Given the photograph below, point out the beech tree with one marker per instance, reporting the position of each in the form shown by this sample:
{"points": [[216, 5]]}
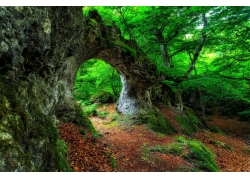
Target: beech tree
{"points": [[194, 47]]}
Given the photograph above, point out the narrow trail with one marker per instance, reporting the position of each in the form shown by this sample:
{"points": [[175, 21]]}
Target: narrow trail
{"points": [[125, 145]]}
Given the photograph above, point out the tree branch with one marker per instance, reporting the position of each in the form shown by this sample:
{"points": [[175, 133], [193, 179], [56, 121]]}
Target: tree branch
{"points": [[199, 48], [234, 78]]}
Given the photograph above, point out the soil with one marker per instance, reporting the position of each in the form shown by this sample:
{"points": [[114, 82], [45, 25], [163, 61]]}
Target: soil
{"points": [[119, 147]]}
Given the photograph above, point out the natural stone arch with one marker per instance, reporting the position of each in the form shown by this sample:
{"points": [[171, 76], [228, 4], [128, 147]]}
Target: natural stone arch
{"points": [[41, 49]]}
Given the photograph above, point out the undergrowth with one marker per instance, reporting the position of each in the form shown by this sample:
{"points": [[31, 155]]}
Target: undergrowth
{"points": [[192, 150], [222, 144], [112, 159], [102, 114]]}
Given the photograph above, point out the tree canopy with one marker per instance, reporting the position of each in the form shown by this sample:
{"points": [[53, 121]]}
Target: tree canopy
{"points": [[196, 48]]}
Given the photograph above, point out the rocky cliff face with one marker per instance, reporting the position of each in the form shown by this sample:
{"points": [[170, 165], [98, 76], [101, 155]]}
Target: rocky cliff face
{"points": [[41, 49]]}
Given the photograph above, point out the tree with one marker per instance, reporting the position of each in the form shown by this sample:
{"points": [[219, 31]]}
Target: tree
{"points": [[190, 45]]}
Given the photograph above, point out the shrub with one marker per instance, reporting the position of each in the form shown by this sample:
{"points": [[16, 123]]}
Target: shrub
{"points": [[102, 97], [90, 110], [102, 114]]}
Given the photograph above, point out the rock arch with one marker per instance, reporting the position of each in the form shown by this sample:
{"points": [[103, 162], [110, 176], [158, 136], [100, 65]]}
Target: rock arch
{"points": [[41, 49]]}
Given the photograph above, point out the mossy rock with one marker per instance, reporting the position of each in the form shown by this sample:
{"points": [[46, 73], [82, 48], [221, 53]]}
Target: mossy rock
{"points": [[188, 121], [30, 137], [156, 121], [102, 97]]}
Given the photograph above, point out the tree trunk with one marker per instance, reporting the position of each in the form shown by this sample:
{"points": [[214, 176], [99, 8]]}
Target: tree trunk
{"points": [[163, 45], [178, 99]]}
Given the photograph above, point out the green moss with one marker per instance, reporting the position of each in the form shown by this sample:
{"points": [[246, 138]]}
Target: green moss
{"points": [[112, 159], [188, 122], [222, 144], [156, 121], [126, 49], [216, 129], [82, 132], [160, 125], [82, 120], [246, 151], [199, 154], [28, 125], [62, 150]]}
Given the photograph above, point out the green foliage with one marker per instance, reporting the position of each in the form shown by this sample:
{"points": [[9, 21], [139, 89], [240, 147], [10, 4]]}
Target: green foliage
{"points": [[244, 115], [174, 148], [82, 132], [156, 121], [216, 129], [95, 76], [200, 155], [112, 159], [222, 144], [90, 110], [102, 114], [246, 151]]}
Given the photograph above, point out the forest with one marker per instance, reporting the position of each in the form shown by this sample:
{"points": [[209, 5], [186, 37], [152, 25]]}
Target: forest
{"points": [[202, 53], [125, 89]]}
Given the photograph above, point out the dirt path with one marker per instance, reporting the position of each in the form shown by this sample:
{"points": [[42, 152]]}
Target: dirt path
{"points": [[125, 144]]}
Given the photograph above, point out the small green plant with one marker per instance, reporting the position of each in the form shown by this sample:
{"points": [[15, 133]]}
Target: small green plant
{"points": [[188, 169], [126, 120], [244, 115], [114, 117], [112, 159], [102, 114], [222, 144], [82, 132], [216, 129], [90, 110], [246, 151]]}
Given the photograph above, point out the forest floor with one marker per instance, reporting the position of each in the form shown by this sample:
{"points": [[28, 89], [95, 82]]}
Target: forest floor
{"points": [[120, 147]]}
